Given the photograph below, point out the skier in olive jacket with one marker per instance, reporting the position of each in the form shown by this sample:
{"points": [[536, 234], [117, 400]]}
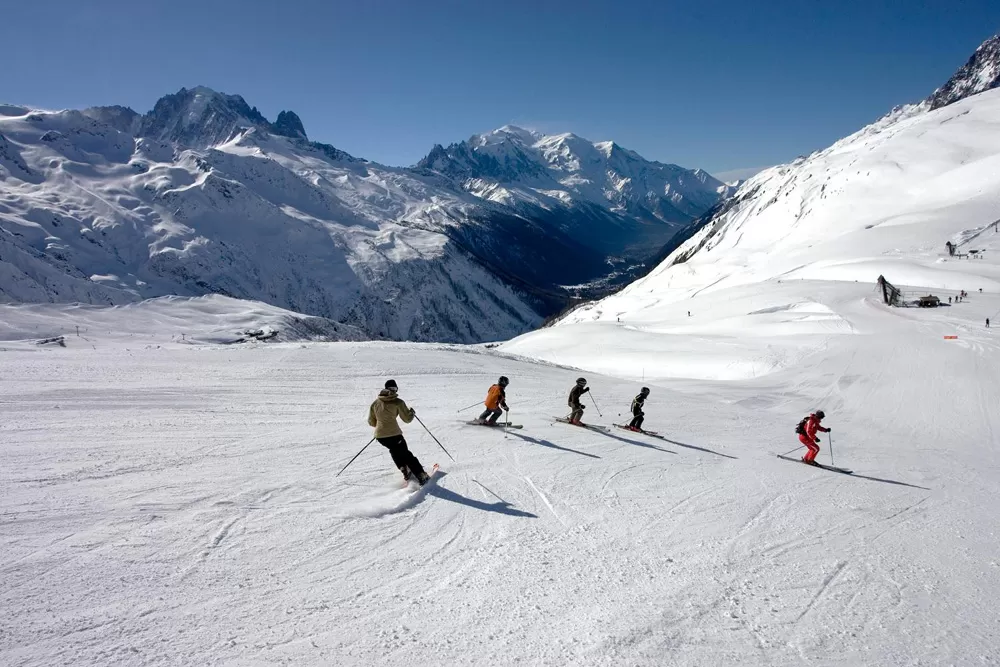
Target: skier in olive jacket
{"points": [[382, 415]]}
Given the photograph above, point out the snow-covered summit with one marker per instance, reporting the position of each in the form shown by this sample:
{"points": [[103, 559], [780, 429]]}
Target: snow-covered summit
{"points": [[512, 165], [979, 74], [201, 117]]}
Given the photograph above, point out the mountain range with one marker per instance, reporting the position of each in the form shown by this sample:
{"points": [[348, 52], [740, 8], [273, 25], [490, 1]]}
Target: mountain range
{"points": [[204, 195]]}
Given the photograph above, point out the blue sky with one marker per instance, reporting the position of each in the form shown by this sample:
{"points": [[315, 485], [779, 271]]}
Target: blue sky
{"points": [[714, 84]]}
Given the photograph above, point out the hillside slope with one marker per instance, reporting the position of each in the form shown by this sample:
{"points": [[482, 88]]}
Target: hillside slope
{"points": [[800, 241]]}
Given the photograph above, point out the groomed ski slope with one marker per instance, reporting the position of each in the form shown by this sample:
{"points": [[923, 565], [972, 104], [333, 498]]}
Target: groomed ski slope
{"points": [[178, 505]]}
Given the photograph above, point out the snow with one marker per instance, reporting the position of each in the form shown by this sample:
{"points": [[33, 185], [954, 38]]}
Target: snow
{"points": [[193, 320], [179, 504]]}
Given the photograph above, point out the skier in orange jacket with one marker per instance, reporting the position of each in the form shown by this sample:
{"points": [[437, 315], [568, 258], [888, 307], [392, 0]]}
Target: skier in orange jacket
{"points": [[496, 401], [807, 435]]}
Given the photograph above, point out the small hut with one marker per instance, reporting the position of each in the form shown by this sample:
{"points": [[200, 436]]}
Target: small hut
{"points": [[929, 301]]}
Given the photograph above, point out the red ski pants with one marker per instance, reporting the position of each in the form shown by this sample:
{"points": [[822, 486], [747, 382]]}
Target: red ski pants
{"points": [[813, 448]]}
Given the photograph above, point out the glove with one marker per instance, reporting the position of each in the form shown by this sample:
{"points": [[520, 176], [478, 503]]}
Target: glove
{"points": [[817, 440], [582, 407], [413, 412], [585, 390]]}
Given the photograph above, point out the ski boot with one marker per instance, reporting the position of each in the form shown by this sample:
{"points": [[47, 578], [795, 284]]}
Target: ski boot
{"points": [[406, 473], [422, 477]]}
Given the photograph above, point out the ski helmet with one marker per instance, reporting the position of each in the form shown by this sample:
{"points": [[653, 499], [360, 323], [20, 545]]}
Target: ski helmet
{"points": [[581, 381], [645, 390], [821, 414], [391, 384], [503, 381]]}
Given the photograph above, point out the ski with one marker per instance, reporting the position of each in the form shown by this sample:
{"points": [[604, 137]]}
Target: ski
{"points": [[497, 425], [653, 434], [592, 427], [843, 471]]}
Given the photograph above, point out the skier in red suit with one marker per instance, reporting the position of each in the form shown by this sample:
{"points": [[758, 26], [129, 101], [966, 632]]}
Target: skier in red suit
{"points": [[807, 435]]}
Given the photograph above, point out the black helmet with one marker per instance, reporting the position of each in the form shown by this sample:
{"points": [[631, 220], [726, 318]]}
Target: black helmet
{"points": [[391, 384], [821, 414], [581, 381], [645, 390], [503, 381]]}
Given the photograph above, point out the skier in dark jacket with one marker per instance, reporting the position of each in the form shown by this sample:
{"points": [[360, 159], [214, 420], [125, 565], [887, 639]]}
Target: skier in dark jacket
{"points": [[382, 416], [578, 390], [637, 413]]}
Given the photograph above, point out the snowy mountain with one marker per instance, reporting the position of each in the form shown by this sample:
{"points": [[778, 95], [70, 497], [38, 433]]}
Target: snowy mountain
{"points": [[798, 243], [203, 194], [628, 201]]}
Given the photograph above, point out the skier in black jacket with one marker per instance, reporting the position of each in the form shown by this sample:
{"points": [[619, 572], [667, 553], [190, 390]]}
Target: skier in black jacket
{"points": [[578, 390], [637, 414]]}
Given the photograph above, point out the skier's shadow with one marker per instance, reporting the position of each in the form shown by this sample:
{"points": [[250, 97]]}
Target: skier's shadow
{"points": [[500, 507], [889, 481], [637, 443], [546, 443], [700, 449]]}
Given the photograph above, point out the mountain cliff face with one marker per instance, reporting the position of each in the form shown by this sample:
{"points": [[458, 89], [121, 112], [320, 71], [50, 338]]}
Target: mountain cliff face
{"points": [[205, 195], [979, 74]]}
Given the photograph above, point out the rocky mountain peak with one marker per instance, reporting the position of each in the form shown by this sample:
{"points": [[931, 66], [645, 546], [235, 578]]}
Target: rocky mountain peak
{"points": [[979, 74]]}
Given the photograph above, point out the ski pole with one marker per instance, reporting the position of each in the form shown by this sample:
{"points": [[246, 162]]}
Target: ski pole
{"points": [[595, 403], [435, 439], [355, 456], [506, 423], [790, 451], [831, 449], [471, 406]]}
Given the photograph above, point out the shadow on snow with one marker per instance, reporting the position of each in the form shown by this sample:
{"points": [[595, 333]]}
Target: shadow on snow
{"points": [[500, 507], [700, 449], [546, 443]]}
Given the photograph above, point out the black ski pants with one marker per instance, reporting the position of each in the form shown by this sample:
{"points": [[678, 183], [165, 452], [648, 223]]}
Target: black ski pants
{"points": [[401, 455], [491, 416], [637, 419]]}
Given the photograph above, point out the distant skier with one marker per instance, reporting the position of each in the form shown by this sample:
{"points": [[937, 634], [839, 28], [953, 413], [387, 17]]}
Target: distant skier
{"points": [[987, 323], [578, 390], [496, 402], [637, 413], [382, 415], [807, 435]]}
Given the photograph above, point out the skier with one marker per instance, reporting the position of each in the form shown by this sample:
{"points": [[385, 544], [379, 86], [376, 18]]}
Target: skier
{"points": [[987, 323], [382, 416], [637, 414], [807, 435], [496, 401], [578, 390]]}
